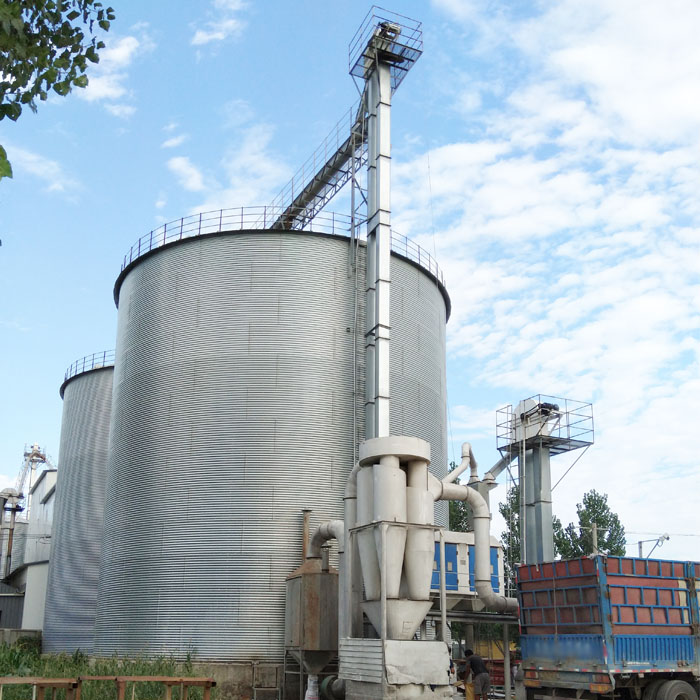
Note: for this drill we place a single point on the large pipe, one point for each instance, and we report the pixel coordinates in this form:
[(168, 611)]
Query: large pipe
[(468, 462), (330, 530), (334, 530), (350, 615), (305, 534), (446, 491)]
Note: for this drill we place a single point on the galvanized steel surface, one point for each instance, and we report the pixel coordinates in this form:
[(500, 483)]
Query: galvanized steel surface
[(233, 410), (362, 660), (77, 527), (262, 218)]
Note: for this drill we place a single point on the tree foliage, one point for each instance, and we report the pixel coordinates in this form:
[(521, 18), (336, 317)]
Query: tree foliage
[(460, 513), (45, 45), (569, 542), (510, 510), (576, 541), (460, 517)]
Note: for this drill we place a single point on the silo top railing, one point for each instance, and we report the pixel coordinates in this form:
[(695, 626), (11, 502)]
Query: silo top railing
[(252, 218), (97, 360)]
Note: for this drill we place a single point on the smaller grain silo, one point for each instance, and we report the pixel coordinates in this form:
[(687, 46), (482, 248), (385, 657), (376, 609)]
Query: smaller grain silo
[(71, 597)]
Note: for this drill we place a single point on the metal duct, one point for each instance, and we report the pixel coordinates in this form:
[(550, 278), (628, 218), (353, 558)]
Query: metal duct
[(71, 596), (233, 409)]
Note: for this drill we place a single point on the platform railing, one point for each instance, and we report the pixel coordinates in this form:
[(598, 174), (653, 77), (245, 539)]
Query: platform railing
[(261, 218), (95, 361)]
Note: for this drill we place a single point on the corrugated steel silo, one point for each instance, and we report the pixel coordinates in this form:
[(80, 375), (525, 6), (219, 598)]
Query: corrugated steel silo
[(238, 398), (71, 597)]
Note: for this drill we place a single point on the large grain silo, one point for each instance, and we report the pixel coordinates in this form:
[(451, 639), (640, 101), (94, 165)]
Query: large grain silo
[(71, 598), (238, 401)]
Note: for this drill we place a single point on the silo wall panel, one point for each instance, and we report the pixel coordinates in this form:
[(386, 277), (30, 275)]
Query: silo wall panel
[(233, 410), (71, 599)]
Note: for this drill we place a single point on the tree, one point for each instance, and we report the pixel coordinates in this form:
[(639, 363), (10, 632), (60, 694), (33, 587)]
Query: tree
[(460, 513), (572, 541), (43, 47), (460, 517), (510, 510)]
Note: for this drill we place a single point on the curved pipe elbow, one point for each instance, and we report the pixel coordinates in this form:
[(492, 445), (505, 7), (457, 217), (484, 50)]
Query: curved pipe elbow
[(468, 462), (330, 530), (351, 483), (494, 601), (482, 543)]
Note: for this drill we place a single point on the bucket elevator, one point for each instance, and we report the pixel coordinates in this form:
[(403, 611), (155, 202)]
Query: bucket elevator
[(387, 540)]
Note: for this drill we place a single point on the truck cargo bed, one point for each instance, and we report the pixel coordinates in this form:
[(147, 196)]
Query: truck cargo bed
[(610, 614)]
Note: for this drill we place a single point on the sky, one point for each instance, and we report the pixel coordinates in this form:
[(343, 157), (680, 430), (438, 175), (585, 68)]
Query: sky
[(547, 154)]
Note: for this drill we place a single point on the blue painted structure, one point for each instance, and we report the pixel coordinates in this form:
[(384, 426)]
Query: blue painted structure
[(451, 575), (452, 571)]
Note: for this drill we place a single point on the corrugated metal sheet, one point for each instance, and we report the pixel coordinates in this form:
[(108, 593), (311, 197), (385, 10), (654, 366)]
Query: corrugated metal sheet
[(233, 410), (550, 649), (653, 649), (11, 607), (362, 660), (77, 529)]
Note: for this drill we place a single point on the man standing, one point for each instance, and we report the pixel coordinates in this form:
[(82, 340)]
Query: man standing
[(480, 675)]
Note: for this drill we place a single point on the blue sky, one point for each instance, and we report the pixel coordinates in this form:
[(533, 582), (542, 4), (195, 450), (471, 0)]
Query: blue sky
[(546, 153)]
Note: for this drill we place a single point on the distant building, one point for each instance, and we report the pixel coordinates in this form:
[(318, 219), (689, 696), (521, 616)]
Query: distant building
[(29, 565)]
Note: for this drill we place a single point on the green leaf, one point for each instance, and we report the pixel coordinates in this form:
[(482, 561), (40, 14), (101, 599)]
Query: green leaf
[(73, 15), (5, 167), (13, 110), (81, 81), (104, 24), (62, 88)]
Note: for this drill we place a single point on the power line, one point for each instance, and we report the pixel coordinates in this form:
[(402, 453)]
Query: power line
[(671, 534)]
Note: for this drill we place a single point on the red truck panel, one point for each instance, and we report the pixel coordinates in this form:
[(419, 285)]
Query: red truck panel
[(567, 597)]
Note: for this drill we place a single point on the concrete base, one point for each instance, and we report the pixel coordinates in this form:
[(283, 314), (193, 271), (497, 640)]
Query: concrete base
[(361, 690), (244, 681), (9, 636)]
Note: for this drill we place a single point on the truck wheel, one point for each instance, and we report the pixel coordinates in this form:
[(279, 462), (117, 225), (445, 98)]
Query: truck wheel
[(651, 689), (676, 690)]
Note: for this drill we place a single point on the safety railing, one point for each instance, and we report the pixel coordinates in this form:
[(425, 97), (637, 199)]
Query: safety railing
[(43, 688), (411, 250), (95, 361), (260, 218)]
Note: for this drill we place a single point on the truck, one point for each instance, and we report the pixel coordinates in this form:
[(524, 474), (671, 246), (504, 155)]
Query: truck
[(612, 626)]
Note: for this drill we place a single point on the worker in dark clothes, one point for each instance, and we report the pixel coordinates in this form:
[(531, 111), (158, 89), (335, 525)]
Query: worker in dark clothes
[(480, 675)]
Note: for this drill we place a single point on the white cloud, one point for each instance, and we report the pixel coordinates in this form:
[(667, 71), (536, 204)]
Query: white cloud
[(174, 141), (50, 171), (222, 23), (568, 228), (109, 79), (253, 174), (237, 113), (120, 110), (188, 174)]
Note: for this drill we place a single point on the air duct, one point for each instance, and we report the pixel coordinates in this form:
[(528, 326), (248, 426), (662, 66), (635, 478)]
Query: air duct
[(446, 491)]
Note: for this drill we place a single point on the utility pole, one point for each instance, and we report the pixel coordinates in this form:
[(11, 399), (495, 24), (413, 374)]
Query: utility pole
[(595, 538)]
